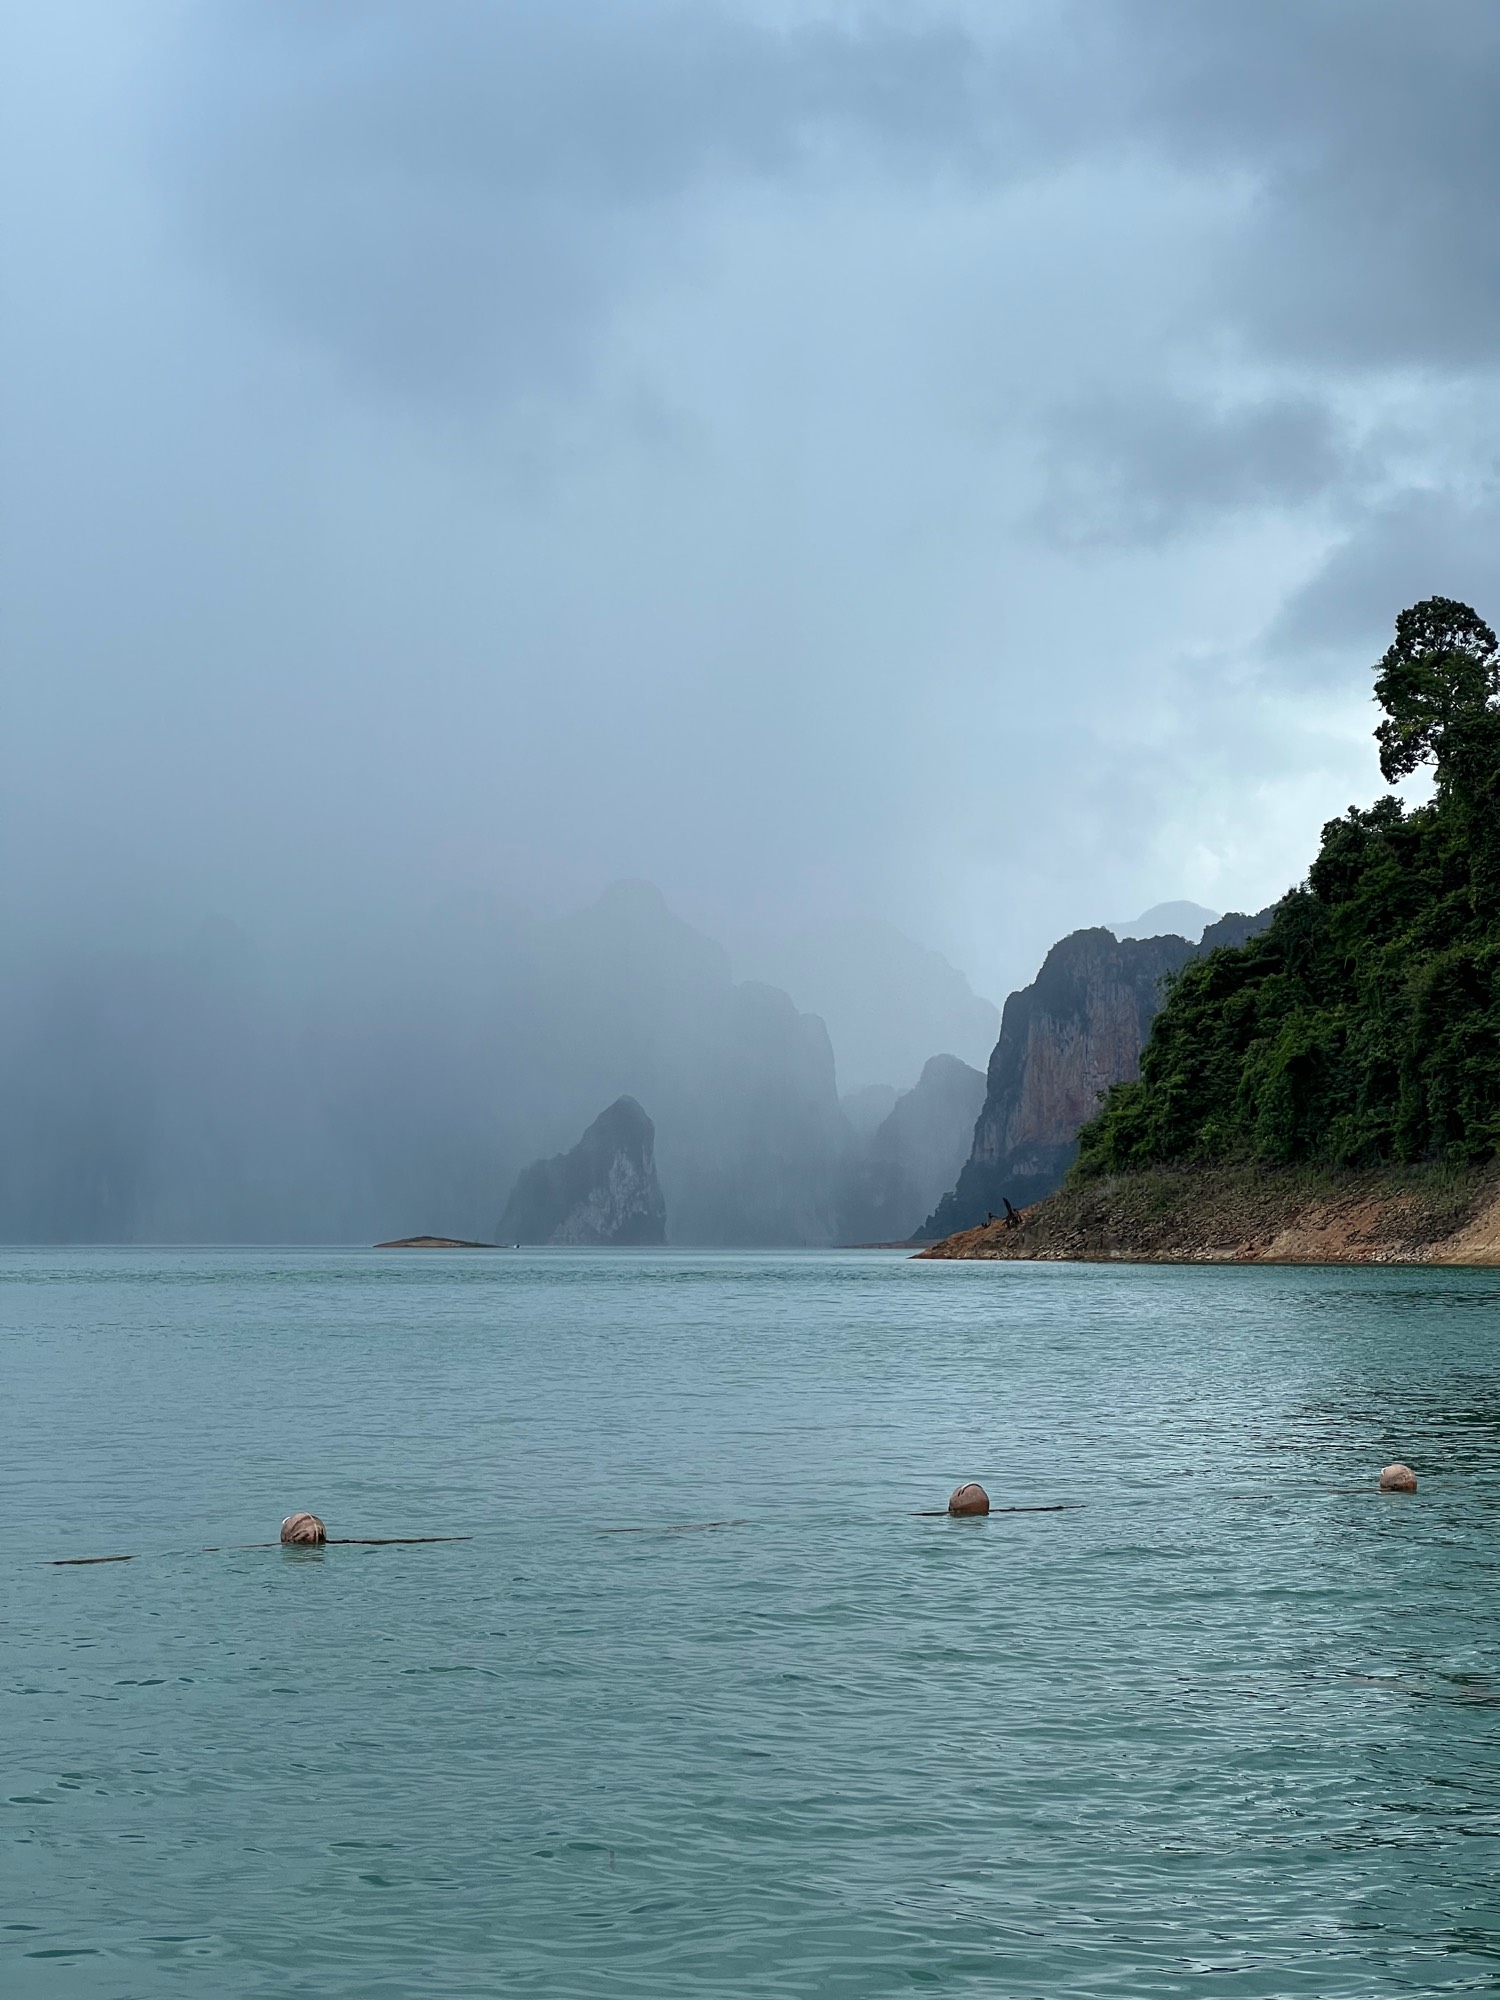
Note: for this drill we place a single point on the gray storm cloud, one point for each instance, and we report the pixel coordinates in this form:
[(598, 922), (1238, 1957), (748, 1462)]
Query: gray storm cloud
[(947, 466), (454, 200)]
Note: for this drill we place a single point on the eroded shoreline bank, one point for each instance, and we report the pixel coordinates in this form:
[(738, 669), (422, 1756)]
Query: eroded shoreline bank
[(1253, 1215)]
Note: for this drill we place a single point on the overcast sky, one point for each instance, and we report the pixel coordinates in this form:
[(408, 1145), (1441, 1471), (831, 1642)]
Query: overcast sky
[(951, 463)]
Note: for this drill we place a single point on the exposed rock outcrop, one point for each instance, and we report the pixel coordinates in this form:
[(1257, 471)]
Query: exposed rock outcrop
[(604, 1191), (432, 1243), (913, 1155), (1079, 1027)]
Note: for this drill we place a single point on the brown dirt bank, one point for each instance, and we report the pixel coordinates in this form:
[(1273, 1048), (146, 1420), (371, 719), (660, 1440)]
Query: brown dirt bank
[(1248, 1215)]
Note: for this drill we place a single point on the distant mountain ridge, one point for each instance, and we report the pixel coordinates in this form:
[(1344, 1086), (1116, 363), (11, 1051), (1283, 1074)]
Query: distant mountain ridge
[(888, 1002), (914, 1153), (201, 1095), (1181, 919)]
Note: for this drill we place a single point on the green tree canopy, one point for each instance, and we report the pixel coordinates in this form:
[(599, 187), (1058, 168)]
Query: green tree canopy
[(1441, 669), (1364, 1023)]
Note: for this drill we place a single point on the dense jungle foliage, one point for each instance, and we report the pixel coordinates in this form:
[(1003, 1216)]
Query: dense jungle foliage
[(1364, 1024)]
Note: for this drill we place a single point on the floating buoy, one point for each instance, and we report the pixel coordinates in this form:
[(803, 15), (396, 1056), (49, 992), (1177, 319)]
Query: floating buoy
[(1398, 1479), (303, 1531), (970, 1499)]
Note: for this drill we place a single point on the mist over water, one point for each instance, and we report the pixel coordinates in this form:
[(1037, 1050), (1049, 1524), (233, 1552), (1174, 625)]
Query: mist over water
[(947, 468), (212, 1092), (907, 484)]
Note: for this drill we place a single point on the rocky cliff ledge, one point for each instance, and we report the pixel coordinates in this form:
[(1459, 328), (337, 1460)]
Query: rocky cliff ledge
[(1254, 1215), (1078, 1028), (604, 1191)]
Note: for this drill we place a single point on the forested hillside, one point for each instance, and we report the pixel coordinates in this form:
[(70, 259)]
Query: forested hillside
[(1364, 1024)]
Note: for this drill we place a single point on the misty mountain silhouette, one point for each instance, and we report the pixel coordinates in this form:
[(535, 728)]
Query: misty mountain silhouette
[(888, 1002), (604, 1190), (208, 1094), (1185, 920), (914, 1155)]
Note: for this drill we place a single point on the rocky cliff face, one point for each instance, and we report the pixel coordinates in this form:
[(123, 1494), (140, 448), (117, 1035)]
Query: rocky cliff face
[(604, 1191), (1079, 1027), (913, 1155)]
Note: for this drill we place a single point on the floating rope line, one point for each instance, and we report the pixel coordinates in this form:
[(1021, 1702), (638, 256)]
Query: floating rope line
[(415, 1541), (673, 1528), (383, 1541), (967, 1502), (233, 1548), (345, 1542)]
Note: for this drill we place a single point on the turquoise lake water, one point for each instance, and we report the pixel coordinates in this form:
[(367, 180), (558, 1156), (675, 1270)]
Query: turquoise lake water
[(1230, 1725)]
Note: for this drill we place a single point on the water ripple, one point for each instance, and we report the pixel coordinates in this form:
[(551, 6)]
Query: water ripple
[(1228, 1726)]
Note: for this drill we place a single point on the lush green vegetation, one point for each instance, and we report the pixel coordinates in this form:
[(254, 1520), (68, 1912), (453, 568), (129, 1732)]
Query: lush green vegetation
[(1364, 1025)]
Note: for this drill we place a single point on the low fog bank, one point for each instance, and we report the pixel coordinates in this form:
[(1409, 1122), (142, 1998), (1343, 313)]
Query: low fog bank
[(204, 1093)]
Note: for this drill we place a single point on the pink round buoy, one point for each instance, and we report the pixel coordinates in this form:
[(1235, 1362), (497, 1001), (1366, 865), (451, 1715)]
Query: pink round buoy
[(1398, 1479), (303, 1531), (970, 1499)]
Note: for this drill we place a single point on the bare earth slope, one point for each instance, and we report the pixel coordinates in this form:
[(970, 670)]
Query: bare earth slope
[(1254, 1215)]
